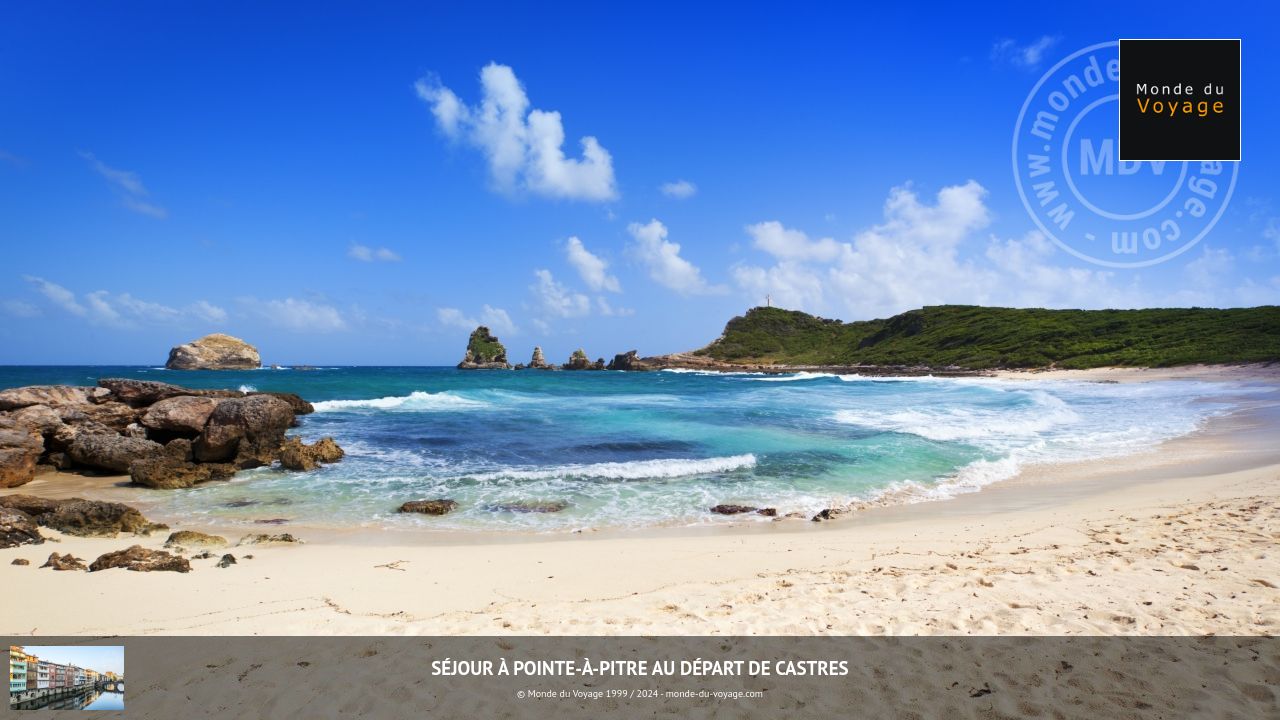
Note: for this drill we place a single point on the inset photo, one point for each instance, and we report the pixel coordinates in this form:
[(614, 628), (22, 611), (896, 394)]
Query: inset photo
[(66, 677)]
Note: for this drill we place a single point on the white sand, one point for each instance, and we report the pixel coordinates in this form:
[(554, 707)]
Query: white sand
[(1177, 541)]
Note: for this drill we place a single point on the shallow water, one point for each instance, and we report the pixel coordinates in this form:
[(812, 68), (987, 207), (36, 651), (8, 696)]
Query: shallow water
[(640, 449)]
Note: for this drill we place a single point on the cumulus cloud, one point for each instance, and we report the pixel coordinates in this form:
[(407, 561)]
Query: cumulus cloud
[(552, 299), (123, 309), (593, 270), (524, 147), (128, 187), (496, 319), (1027, 56), (661, 258), (364, 253), (299, 315), (679, 189), (786, 244)]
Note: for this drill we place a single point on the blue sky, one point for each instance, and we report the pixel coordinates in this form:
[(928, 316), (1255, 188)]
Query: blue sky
[(103, 658), (326, 182)]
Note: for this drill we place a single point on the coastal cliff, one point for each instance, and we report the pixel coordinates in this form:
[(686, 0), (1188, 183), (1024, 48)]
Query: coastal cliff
[(214, 352), (484, 352)]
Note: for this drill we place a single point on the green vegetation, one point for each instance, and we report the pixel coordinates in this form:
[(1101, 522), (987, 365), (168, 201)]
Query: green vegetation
[(483, 347), (982, 337)]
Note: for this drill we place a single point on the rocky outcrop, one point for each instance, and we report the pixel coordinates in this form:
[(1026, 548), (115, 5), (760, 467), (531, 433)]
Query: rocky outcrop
[(629, 361), (227, 561), (30, 504), (300, 406), (214, 352), (484, 352), (140, 559), (578, 361), (111, 452), (64, 562), (17, 528), (442, 506), (529, 506), (296, 455), (96, 518), (191, 538), (54, 396), (165, 472), (538, 362), (263, 539), (20, 448), (184, 415), (245, 431), (141, 393)]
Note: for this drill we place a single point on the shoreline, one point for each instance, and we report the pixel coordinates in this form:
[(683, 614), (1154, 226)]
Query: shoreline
[(1171, 541)]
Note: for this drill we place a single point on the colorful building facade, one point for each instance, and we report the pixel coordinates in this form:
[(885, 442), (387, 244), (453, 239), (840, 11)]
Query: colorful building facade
[(17, 669)]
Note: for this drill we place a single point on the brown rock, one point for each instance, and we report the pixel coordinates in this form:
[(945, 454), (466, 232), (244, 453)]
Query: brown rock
[(227, 561), (629, 361), (41, 418), (30, 504), (247, 431), (828, 514), (262, 539), (733, 509), (214, 352), (442, 506), (165, 472), (295, 455), (53, 396), (140, 559), (95, 518), (64, 562), (300, 406), (17, 528), (529, 506), (140, 393), (115, 415), (111, 452), (20, 561), (20, 448), (185, 414), (191, 538)]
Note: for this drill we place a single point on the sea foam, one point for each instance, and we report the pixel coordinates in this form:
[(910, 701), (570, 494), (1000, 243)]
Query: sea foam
[(417, 401)]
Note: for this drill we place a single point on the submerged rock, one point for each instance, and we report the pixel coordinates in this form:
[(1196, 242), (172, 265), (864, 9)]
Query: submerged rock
[(441, 506), (17, 528), (140, 559), (296, 455), (214, 352), (529, 506), (728, 509), (484, 352), (192, 538), (64, 562)]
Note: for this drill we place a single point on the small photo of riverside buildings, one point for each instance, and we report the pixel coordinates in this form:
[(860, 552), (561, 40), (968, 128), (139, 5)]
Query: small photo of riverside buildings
[(66, 677)]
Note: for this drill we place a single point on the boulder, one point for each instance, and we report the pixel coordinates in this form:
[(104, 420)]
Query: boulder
[(20, 449), (54, 396), (262, 539), (140, 393), (578, 361), (41, 418), (96, 518), (214, 352), (733, 509), (111, 452), (65, 435), (116, 416), (442, 506), (538, 362), (20, 561), (165, 472), (300, 406), (629, 361), (64, 562), (827, 514), (17, 528), (529, 506), (184, 415), (30, 504), (191, 538), (484, 352), (140, 559), (295, 455), (247, 431), (598, 364), (227, 561)]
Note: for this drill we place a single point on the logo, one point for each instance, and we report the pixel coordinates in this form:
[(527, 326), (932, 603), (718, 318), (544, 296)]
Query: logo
[(1107, 211)]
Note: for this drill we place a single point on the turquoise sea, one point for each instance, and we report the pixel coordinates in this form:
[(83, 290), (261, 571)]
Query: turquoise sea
[(657, 448)]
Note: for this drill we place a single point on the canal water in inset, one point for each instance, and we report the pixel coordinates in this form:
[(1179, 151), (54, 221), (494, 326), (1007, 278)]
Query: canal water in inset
[(86, 701)]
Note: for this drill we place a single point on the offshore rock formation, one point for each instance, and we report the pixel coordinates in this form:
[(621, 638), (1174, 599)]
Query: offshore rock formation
[(629, 361), (578, 361), (214, 352), (538, 362), (164, 436), (484, 352)]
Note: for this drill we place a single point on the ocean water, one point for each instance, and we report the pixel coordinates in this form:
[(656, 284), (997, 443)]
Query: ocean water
[(657, 448)]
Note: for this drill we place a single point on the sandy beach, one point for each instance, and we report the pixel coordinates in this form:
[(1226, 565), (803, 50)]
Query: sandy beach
[(1177, 540)]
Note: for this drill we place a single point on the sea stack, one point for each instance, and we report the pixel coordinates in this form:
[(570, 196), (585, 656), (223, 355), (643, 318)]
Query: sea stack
[(484, 352), (214, 352), (538, 362)]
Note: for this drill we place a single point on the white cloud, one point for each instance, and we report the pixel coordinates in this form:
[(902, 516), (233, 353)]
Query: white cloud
[(20, 309), (1027, 56), (128, 186), (553, 299), (123, 309), (523, 146), (300, 315), (364, 253), (606, 309), (496, 319), (591, 268), (679, 189), (662, 259), (785, 244)]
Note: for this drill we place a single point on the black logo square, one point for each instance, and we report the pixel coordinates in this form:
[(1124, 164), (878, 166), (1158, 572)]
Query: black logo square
[(1180, 100)]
